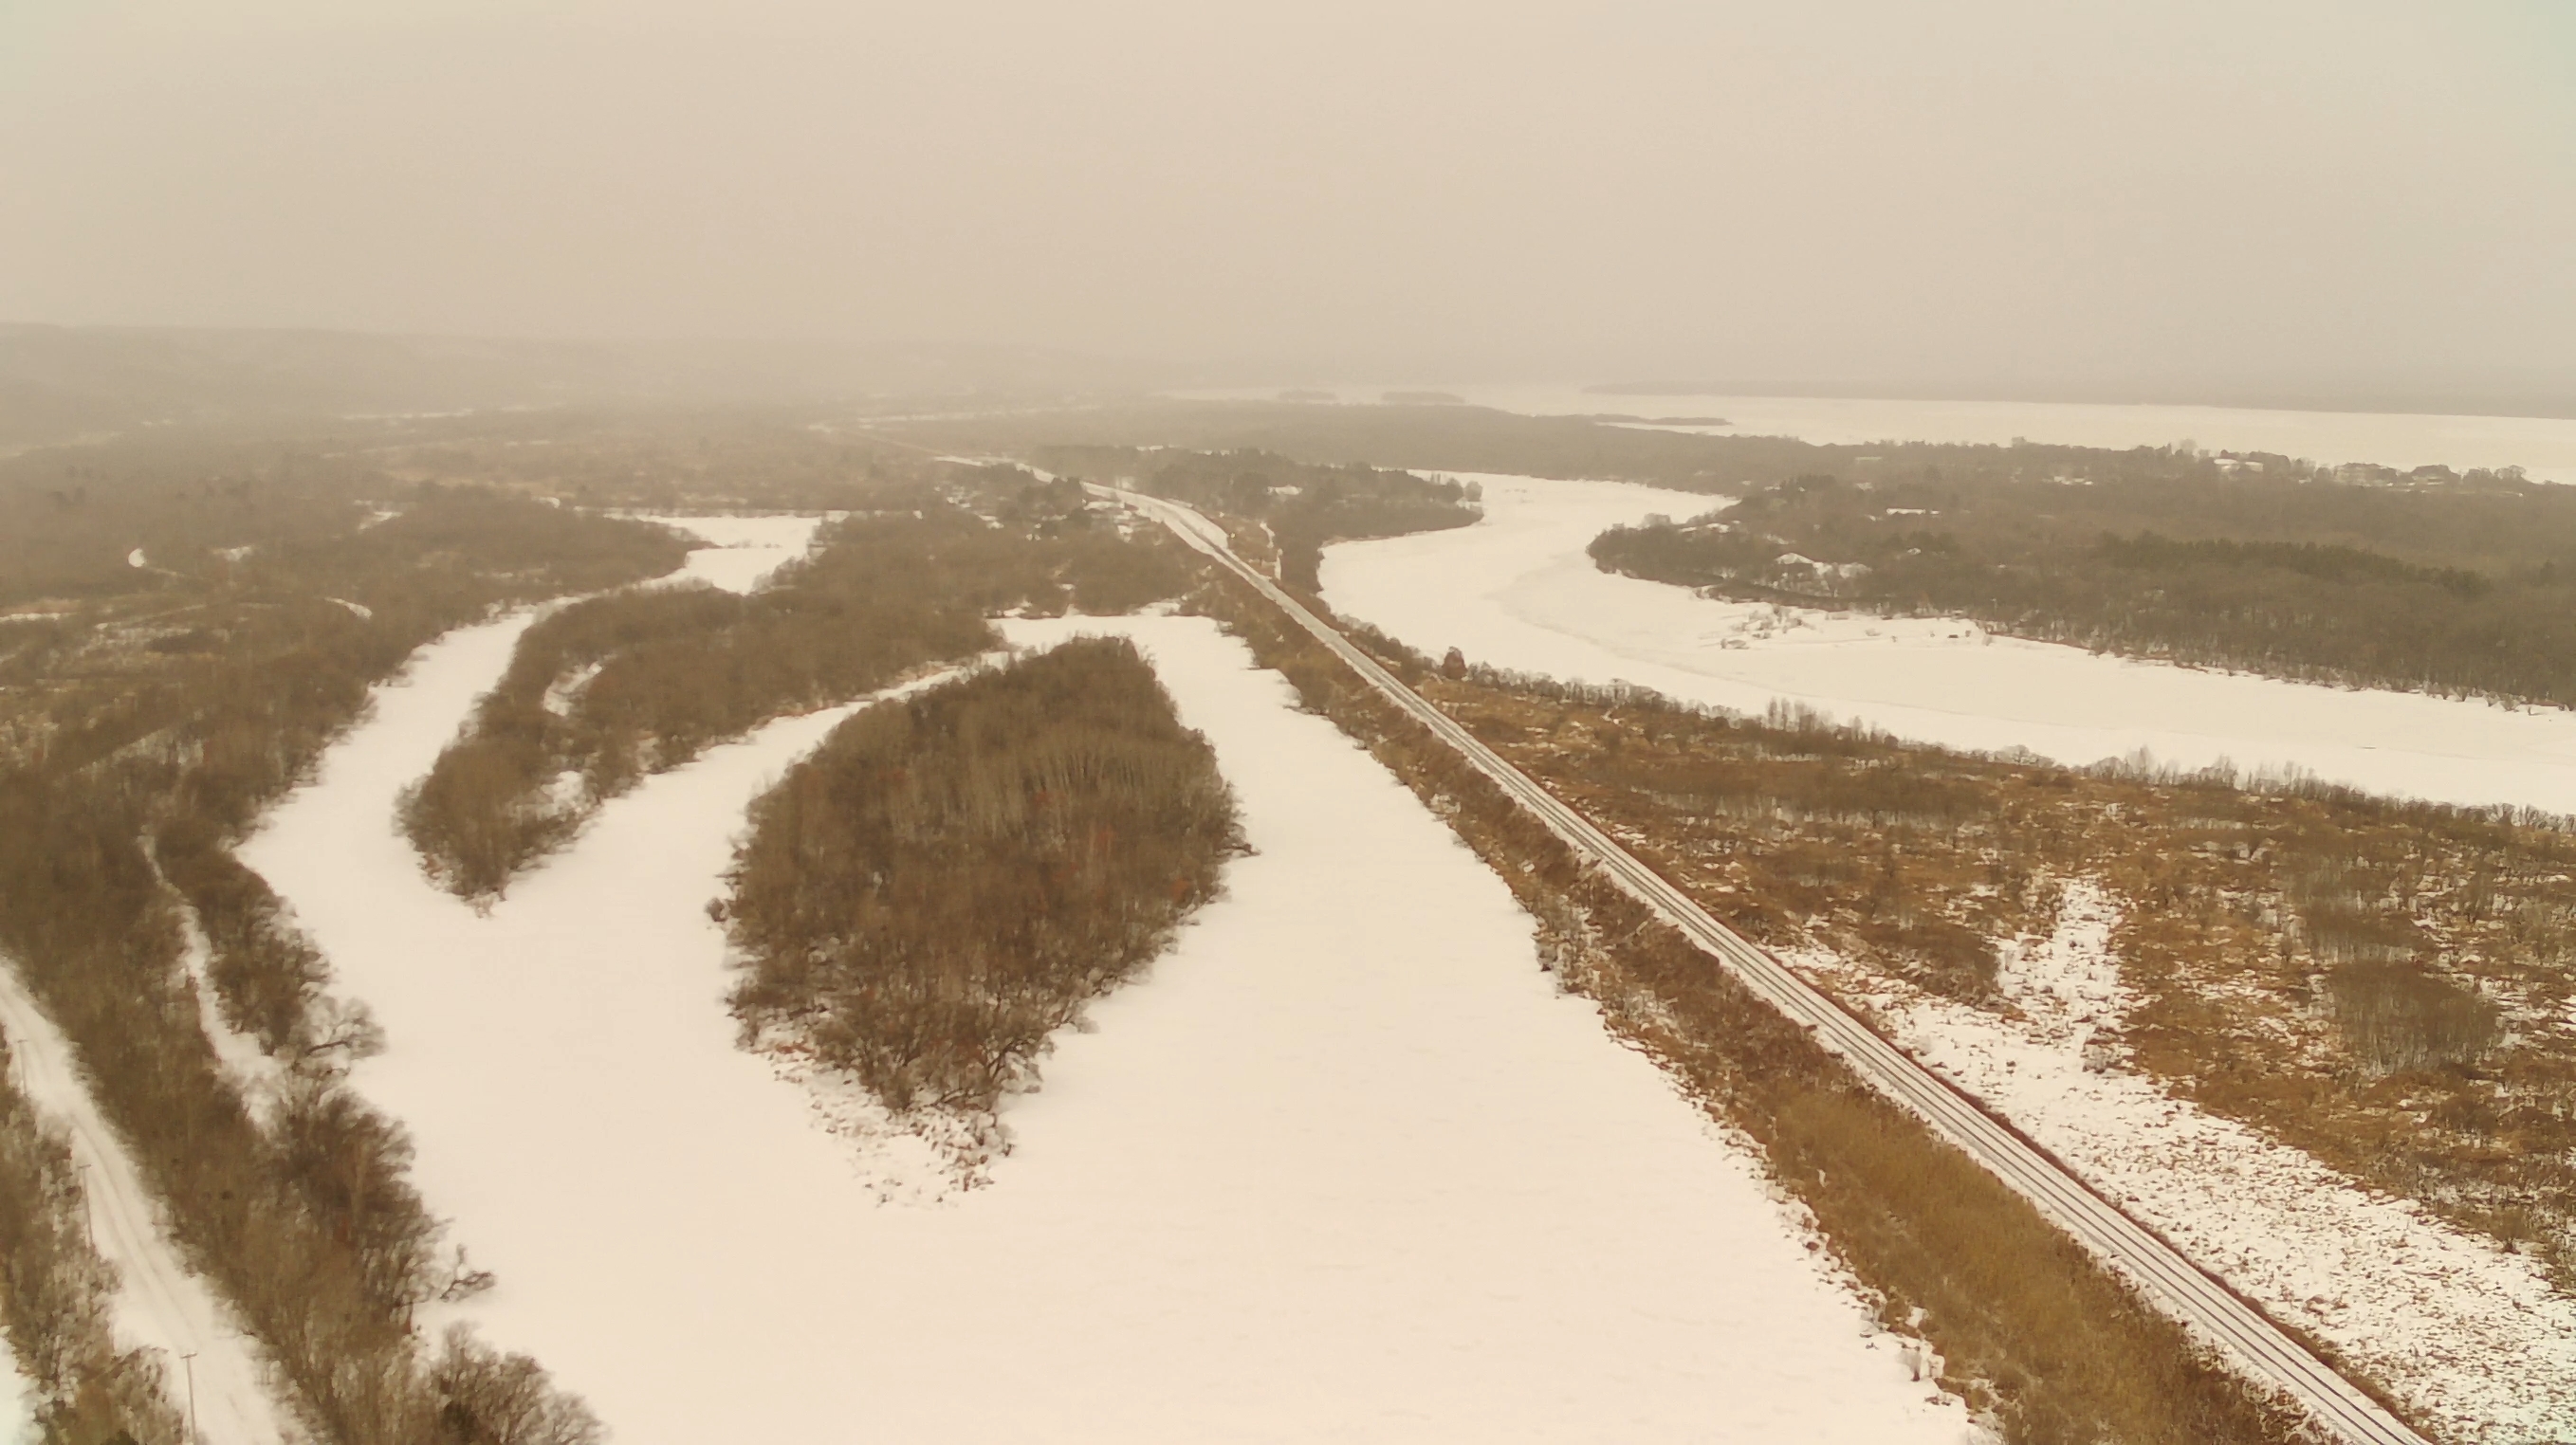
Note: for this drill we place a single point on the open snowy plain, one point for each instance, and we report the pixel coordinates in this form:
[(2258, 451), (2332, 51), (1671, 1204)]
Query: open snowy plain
[(1343, 1166), (1517, 591)]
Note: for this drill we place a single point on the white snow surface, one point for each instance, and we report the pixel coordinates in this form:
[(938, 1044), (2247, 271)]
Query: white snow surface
[(1343, 1167), (2466, 1333), (17, 1400), (159, 1303), (1517, 591), (741, 552)]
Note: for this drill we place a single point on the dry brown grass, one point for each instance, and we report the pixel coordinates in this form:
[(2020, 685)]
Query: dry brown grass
[(2382, 985)]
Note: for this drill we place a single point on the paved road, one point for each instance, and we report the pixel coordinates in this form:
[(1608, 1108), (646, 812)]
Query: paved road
[(2183, 1290)]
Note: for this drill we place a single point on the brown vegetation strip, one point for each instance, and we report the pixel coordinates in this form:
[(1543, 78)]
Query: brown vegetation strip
[(947, 880)]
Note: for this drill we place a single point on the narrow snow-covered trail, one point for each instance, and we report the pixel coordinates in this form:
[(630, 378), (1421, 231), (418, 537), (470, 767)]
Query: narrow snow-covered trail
[(159, 1303), (1517, 591), (1345, 1166)]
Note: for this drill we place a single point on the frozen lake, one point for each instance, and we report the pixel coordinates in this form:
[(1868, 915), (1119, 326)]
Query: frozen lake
[(1517, 591)]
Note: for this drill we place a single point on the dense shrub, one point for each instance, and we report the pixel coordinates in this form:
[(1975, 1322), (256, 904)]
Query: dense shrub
[(947, 880), (2396, 1016)]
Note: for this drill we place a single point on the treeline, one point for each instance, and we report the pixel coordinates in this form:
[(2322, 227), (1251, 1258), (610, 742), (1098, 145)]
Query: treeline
[(706, 459), (943, 884), (1478, 439), (2029, 1327), (134, 768), (2447, 590), (1306, 507), (609, 690), (1424, 438)]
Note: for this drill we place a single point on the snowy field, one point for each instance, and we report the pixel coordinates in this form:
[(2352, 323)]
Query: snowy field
[(2471, 1336), (1518, 592), (1343, 1166), (17, 1401), (2543, 446)]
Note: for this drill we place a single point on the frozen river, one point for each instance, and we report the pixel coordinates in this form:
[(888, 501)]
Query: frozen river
[(1517, 591)]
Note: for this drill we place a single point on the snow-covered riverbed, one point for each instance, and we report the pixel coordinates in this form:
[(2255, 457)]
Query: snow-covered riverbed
[(1517, 591), (741, 552), (1343, 1166)]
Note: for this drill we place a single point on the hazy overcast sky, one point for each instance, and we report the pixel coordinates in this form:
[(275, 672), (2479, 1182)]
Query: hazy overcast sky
[(2153, 190)]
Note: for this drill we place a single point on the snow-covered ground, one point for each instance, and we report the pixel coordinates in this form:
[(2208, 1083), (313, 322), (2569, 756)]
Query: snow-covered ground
[(17, 1401), (2544, 446), (1517, 591), (741, 552), (2466, 1333), (159, 1304), (1343, 1166)]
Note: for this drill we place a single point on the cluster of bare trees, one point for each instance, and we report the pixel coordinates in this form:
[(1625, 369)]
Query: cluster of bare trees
[(946, 881), (2028, 1325), (614, 688), (2458, 590), (149, 764)]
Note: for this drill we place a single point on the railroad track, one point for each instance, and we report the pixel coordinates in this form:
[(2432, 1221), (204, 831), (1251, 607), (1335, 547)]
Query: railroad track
[(2261, 1349)]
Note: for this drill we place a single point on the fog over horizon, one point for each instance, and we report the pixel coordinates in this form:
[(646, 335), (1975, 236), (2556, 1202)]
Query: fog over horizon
[(2297, 203)]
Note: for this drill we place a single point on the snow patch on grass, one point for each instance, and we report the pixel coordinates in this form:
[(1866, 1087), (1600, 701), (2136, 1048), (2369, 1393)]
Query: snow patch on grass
[(2466, 1333)]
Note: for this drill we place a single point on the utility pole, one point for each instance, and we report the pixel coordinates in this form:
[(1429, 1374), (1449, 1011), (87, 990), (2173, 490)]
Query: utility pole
[(190, 1360)]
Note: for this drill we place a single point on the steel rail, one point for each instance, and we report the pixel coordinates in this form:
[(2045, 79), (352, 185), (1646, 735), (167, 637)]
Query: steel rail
[(2260, 1348)]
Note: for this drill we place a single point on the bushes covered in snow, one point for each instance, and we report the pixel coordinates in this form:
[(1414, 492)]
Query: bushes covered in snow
[(947, 880)]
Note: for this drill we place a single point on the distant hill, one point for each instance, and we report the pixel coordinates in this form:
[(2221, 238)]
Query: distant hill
[(59, 383), (2468, 393)]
